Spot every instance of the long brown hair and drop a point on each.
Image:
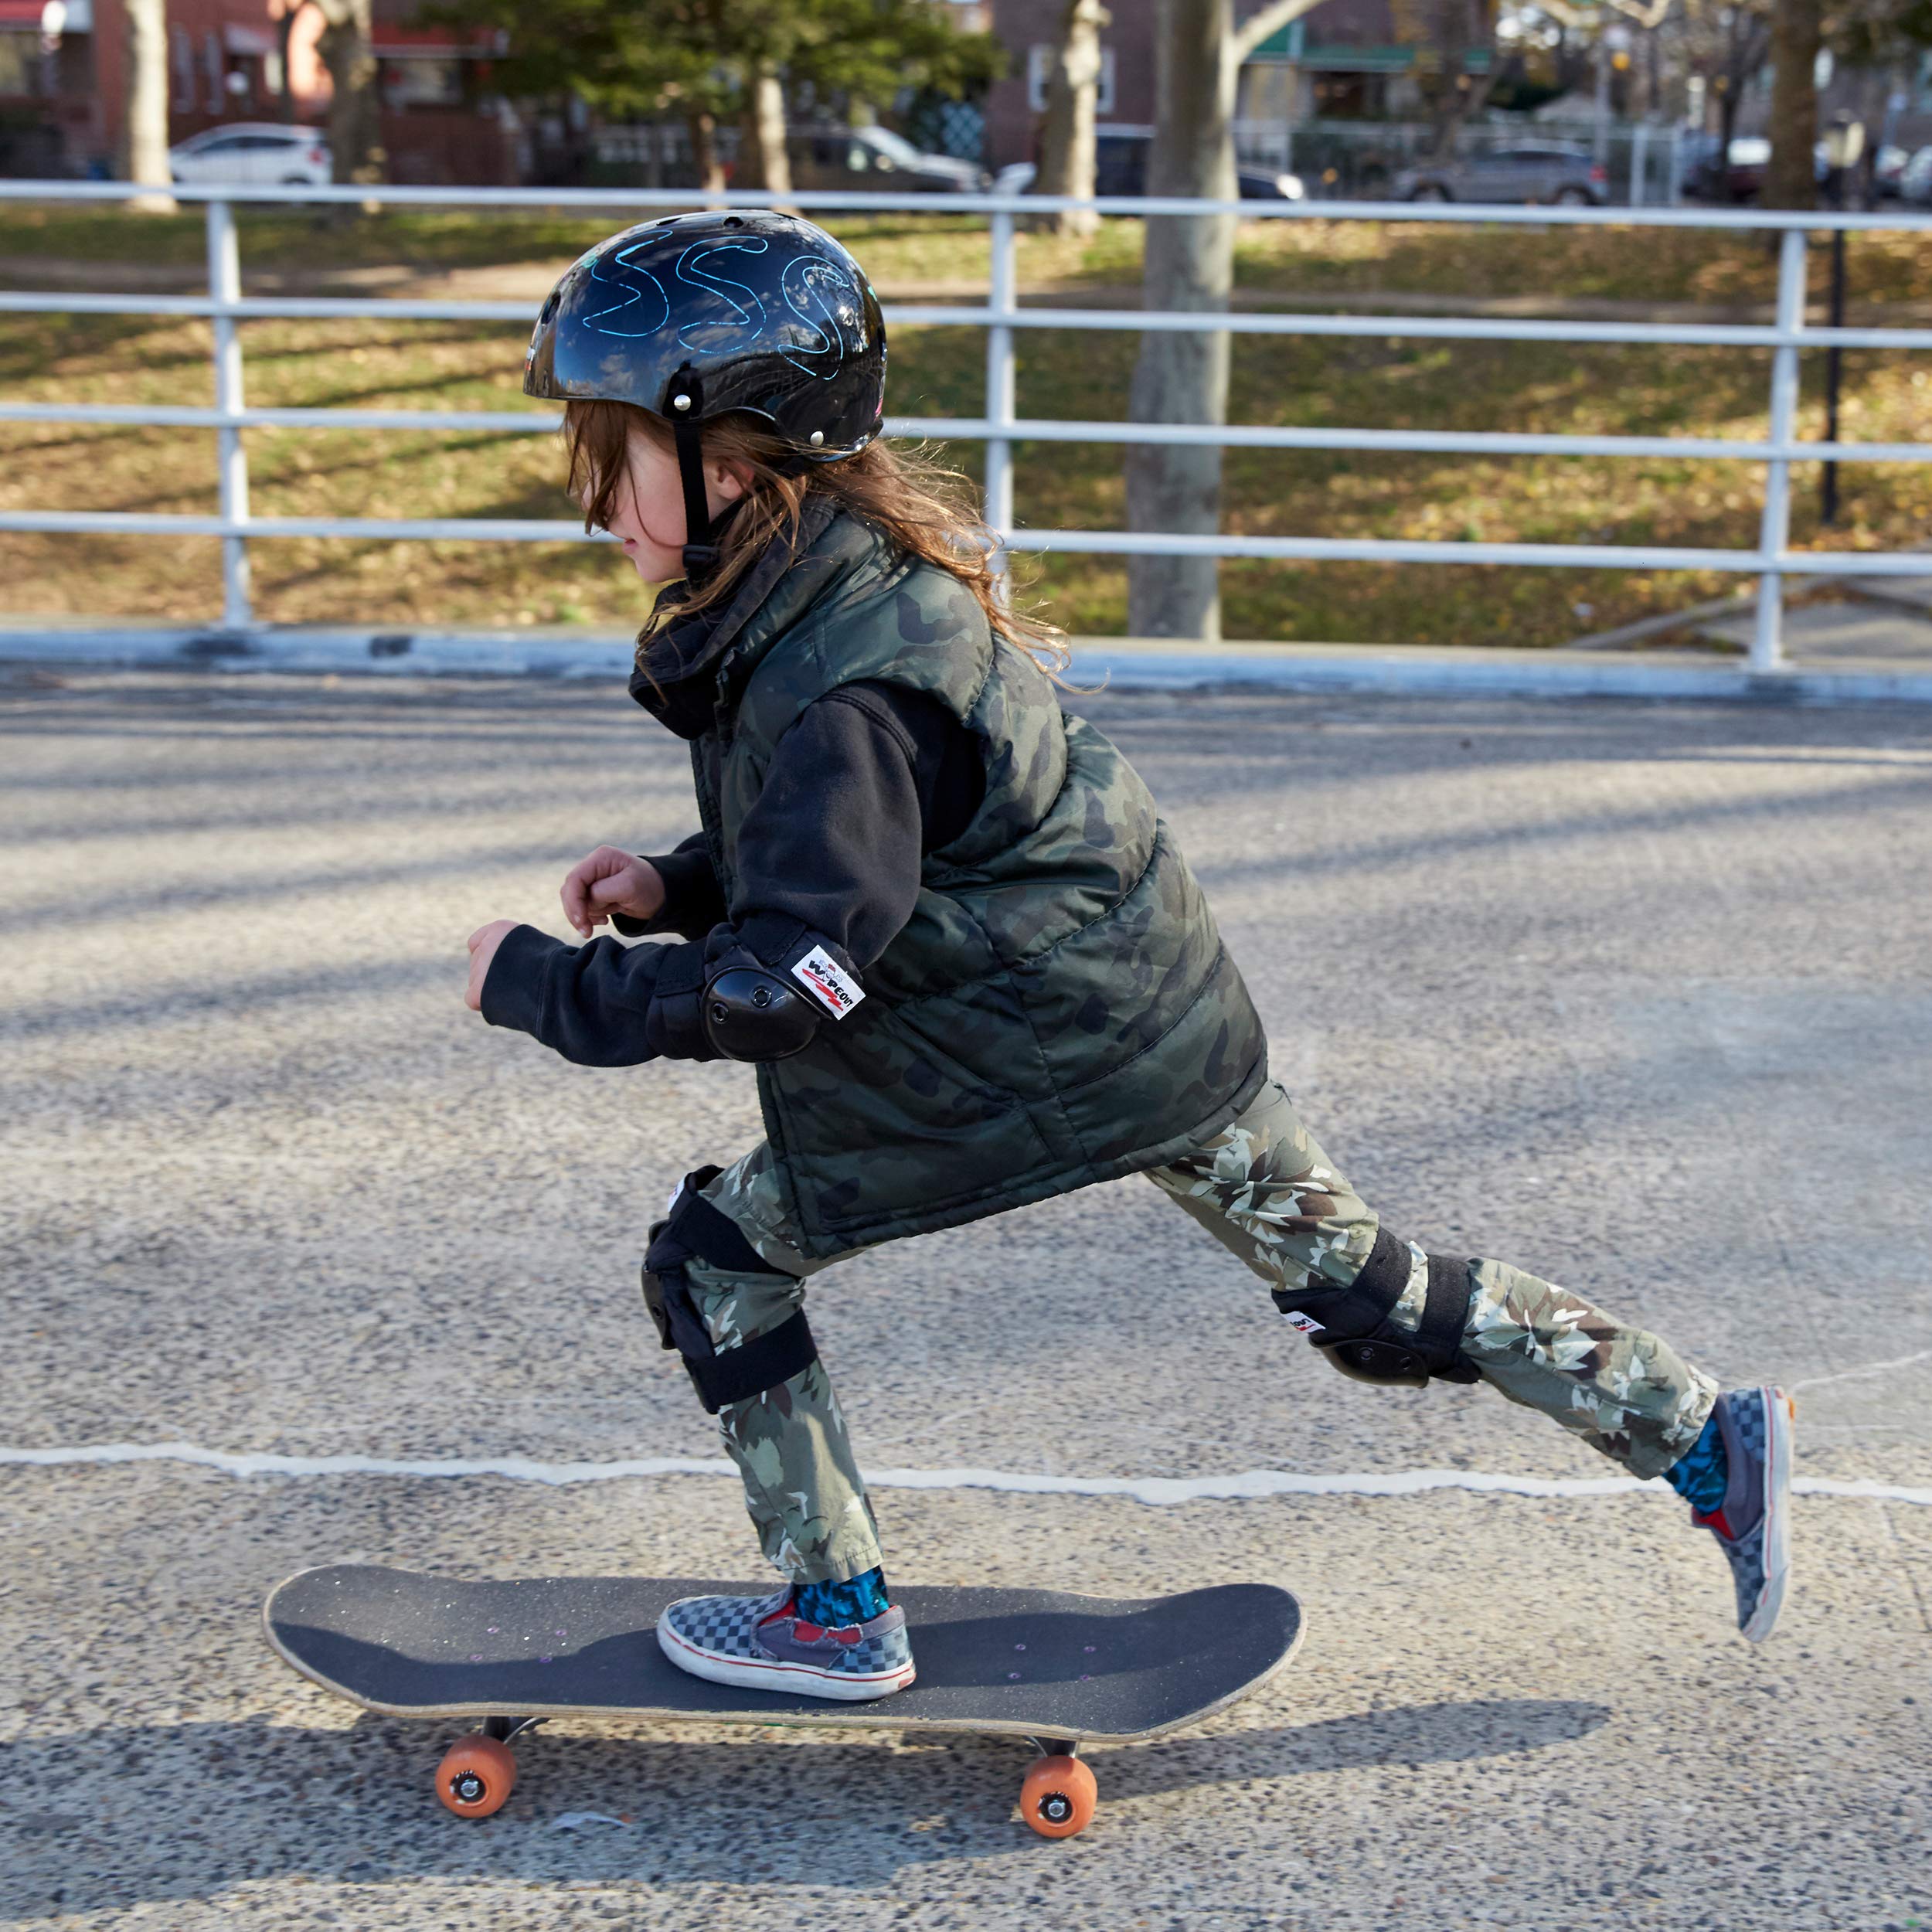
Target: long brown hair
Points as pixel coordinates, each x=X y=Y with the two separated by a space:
x=924 y=510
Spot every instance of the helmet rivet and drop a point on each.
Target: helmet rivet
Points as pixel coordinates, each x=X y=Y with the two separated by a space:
x=681 y=402
x=816 y=437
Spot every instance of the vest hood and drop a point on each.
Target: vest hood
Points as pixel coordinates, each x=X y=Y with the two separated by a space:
x=677 y=657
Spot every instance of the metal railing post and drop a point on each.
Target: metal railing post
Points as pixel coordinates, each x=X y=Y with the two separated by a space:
x=999 y=388
x=1774 y=529
x=224 y=288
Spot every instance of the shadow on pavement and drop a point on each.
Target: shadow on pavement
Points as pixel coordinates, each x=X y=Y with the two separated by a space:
x=113 y=1817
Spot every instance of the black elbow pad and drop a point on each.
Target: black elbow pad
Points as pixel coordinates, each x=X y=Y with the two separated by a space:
x=751 y=1014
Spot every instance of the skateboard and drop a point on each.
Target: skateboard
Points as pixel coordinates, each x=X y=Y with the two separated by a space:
x=1055 y=1670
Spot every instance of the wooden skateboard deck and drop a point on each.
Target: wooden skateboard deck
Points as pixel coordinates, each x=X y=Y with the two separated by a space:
x=1041 y=1665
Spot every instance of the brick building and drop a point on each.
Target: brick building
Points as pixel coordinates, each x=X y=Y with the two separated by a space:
x=63 y=84
x=1340 y=61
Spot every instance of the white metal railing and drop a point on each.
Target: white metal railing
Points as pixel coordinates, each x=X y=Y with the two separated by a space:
x=1771 y=561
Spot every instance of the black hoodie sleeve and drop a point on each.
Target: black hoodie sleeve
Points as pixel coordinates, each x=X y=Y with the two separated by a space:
x=602 y=1005
x=828 y=855
x=693 y=899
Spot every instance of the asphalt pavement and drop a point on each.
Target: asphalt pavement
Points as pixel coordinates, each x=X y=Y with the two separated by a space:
x=1633 y=995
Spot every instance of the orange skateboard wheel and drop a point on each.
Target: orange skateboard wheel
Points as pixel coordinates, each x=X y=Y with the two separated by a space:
x=1058 y=1797
x=477 y=1775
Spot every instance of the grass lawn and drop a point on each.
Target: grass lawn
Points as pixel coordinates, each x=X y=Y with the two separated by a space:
x=1378 y=382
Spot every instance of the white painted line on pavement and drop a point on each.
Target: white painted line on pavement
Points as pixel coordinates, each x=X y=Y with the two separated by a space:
x=1250 y=1484
x=1863 y=1369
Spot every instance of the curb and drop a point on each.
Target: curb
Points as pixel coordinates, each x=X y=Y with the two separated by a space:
x=1119 y=664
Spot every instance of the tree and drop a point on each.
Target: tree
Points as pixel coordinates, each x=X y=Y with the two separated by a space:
x=1444 y=34
x=763 y=162
x=1066 y=160
x=1725 y=42
x=714 y=61
x=1797 y=36
x=355 y=111
x=147 y=133
x=1182 y=376
x=1877 y=33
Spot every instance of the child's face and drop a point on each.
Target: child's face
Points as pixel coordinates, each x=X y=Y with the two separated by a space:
x=647 y=514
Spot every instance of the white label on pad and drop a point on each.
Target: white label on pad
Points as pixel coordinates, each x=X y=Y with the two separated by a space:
x=828 y=982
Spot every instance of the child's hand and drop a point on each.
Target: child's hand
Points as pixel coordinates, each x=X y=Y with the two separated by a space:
x=483 y=944
x=610 y=881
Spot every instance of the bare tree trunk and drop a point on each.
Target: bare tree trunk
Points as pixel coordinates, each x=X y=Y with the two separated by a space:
x=1727 y=127
x=146 y=136
x=1183 y=378
x=284 y=39
x=1796 y=29
x=702 y=124
x=768 y=166
x=1444 y=33
x=1067 y=160
x=355 y=111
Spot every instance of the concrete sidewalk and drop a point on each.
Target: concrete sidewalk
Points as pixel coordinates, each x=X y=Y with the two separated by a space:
x=1888 y=662
x=1874 y=622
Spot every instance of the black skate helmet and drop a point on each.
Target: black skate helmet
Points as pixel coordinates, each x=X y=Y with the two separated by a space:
x=696 y=315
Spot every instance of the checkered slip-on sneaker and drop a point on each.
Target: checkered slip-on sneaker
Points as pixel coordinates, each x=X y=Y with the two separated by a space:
x=762 y=1643
x=1753 y=1525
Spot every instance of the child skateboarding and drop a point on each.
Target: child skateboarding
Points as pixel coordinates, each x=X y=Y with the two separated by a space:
x=942 y=918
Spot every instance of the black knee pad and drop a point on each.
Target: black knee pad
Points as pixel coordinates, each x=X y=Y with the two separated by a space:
x=694 y=1229
x=1351 y=1326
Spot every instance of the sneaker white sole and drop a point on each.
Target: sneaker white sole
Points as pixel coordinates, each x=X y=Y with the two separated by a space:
x=1777 y=1519
x=797 y=1680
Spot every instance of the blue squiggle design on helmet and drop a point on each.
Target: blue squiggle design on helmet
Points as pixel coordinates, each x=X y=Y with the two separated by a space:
x=633 y=293
x=804 y=277
x=750 y=312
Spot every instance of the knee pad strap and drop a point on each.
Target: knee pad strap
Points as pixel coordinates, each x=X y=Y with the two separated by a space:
x=696 y=1229
x=1354 y=1331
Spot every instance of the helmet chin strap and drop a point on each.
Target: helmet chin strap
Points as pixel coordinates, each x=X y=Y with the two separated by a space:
x=682 y=403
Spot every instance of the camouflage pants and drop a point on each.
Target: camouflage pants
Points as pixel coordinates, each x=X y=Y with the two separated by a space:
x=1264 y=1189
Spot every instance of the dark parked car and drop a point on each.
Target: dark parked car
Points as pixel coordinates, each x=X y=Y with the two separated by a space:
x=1120 y=168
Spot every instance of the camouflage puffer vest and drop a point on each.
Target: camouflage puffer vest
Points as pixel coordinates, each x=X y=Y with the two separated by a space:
x=1059 y=1009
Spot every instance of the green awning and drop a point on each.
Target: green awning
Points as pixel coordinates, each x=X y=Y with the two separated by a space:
x=1339 y=57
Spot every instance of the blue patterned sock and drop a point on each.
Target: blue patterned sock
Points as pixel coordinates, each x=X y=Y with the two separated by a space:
x=834 y=1606
x=1702 y=1475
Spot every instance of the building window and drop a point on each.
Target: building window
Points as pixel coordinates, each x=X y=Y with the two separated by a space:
x=423 y=80
x=181 y=50
x=214 y=64
x=19 y=63
x=1039 y=69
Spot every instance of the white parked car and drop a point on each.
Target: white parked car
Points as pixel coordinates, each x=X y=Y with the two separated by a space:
x=263 y=154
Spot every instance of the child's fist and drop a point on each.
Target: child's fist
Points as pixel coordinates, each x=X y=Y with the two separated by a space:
x=483 y=944
x=610 y=881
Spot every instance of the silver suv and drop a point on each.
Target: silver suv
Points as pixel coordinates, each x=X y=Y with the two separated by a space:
x=1529 y=171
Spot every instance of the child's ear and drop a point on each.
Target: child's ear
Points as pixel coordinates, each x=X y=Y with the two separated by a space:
x=729 y=483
